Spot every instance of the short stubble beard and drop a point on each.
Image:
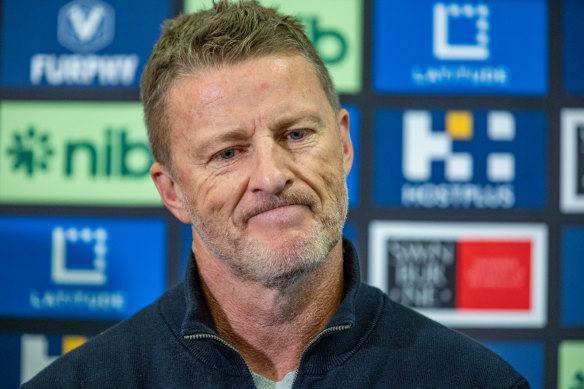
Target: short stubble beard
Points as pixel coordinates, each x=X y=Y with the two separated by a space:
x=283 y=267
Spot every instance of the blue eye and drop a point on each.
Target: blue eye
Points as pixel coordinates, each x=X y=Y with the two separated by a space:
x=227 y=154
x=297 y=135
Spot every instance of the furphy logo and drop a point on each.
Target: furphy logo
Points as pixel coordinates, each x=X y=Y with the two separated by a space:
x=31 y=353
x=334 y=27
x=84 y=26
x=463 y=274
x=461 y=47
x=102 y=159
x=80 y=43
x=459 y=159
x=572 y=160
x=83 y=266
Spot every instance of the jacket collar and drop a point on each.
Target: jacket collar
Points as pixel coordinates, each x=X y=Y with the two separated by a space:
x=198 y=318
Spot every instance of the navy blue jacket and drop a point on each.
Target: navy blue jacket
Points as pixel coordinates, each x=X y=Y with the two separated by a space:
x=371 y=342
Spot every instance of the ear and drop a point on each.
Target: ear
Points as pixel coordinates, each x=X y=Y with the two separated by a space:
x=170 y=191
x=343 y=123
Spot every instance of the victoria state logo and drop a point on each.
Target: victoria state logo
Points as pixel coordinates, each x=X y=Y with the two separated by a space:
x=86 y=25
x=33 y=152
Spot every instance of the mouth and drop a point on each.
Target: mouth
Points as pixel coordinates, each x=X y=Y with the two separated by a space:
x=285 y=216
x=277 y=208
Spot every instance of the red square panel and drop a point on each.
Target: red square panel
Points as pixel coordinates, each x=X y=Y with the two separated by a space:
x=493 y=274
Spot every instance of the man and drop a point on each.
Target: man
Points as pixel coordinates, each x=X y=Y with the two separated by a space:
x=253 y=150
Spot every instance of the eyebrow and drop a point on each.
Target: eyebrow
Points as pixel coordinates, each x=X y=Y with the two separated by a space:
x=295 y=118
x=279 y=124
x=225 y=137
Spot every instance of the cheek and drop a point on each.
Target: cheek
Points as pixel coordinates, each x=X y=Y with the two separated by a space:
x=324 y=170
x=215 y=195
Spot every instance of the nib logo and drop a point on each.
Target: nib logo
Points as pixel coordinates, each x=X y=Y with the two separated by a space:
x=30 y=151
x=115 y=154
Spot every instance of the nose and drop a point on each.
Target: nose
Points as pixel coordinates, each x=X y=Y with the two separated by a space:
x=271 y=168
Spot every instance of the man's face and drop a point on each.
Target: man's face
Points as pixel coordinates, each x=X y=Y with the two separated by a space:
x=260 y=162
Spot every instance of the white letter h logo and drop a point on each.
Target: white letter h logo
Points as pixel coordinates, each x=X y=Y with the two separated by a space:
x=422 y=146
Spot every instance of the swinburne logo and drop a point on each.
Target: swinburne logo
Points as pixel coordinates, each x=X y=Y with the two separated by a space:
x=84 y=27
x=463 y=274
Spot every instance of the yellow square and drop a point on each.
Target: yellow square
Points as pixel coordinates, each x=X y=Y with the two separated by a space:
x=71 y=342
x=459 y=124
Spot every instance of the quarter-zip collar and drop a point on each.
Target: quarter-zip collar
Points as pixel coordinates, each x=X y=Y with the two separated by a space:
x=198 y=317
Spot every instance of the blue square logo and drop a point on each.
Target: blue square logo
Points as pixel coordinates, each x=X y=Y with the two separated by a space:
x=434 y=47
x=526 y=357
x=84 y=268
x=573 y=47
x=572 y=314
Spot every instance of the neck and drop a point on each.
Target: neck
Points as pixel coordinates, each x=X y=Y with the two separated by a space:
x=271 y=327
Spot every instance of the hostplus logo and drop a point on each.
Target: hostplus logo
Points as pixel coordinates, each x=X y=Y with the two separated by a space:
x=84 y=27
x=423 y=148
x=32 y=152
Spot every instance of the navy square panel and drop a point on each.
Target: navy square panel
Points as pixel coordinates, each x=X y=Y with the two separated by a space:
x=353 y=179
x=79 y=43
x=572 y=272
x=492 y=47
x=573 y=45
x=526 y=357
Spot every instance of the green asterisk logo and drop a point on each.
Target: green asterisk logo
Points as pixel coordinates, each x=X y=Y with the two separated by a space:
x=578 y=380
x=30 y=151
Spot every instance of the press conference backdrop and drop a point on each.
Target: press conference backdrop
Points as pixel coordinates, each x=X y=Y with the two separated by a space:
x=466 y=198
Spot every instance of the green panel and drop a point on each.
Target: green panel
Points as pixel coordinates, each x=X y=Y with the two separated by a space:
x=571 y=365
x=335 y=27
x=77 y=153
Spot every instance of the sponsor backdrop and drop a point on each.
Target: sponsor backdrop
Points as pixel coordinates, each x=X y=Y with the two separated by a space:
x=466 y=196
